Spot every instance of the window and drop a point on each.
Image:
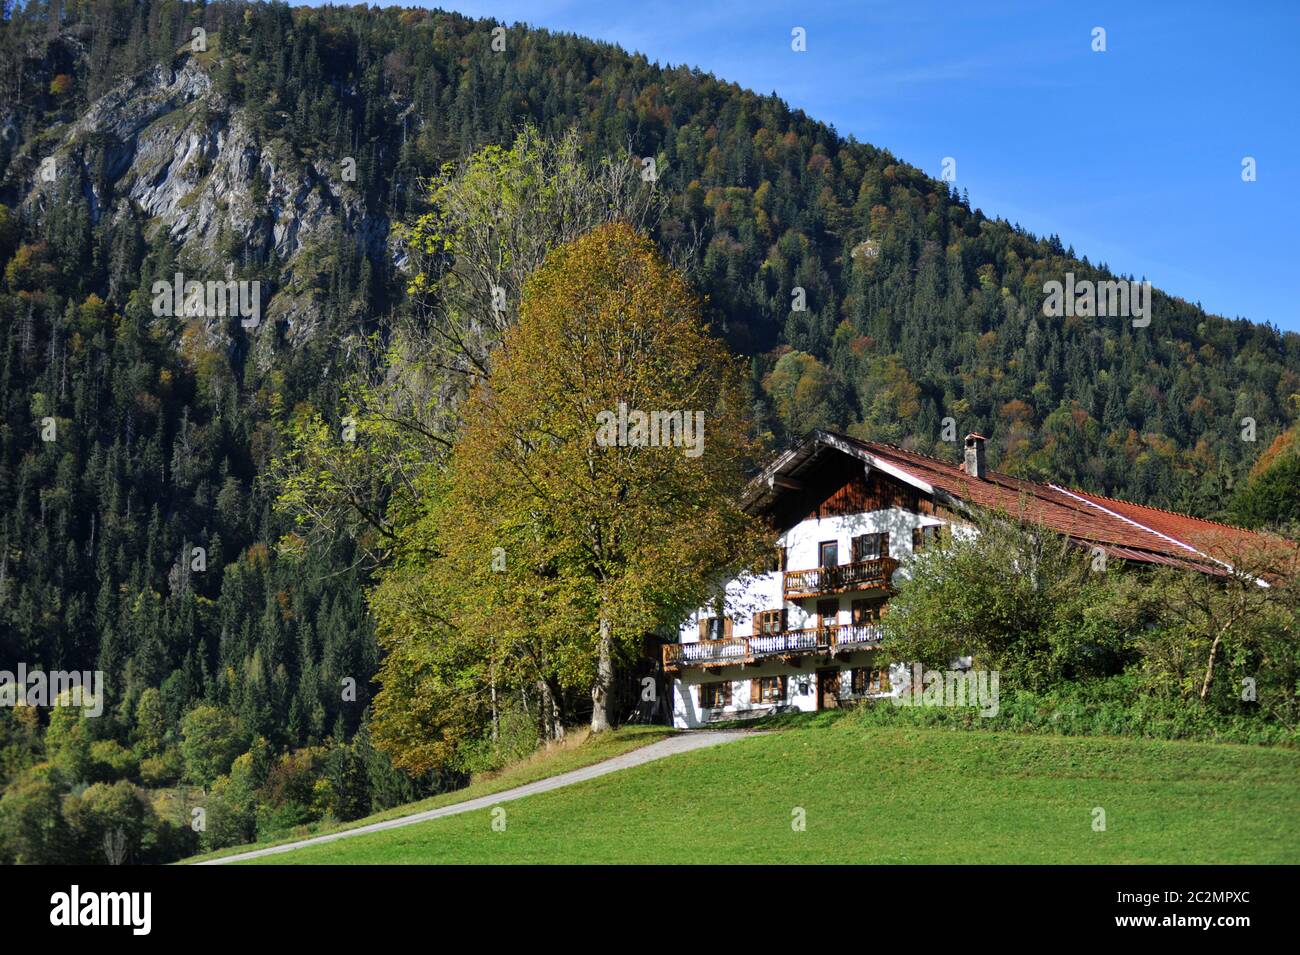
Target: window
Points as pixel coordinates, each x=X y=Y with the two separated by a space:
x=828 y=552
x=866 y=611
x=870 y=546
x=768 y=622
x=715 y=628
x=715 y=695
x=924 y=536
x=828 y=612
x=866 y=680
x=767 y=689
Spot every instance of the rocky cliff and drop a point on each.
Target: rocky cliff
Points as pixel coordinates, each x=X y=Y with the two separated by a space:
x=167 y=148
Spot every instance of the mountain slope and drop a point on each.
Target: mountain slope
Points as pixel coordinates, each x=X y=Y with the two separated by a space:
x=233 y=158
x=917 y=308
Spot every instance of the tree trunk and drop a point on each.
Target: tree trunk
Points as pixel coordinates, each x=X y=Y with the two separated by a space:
x=496 y=716
x=548 y=711
x=602 y=689
x=1209 y=667
x=557 y=715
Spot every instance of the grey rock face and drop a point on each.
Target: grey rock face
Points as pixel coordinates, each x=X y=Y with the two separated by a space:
x=167 y=145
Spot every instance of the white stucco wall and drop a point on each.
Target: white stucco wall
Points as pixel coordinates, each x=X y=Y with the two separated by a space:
x=763 y=592
x=801 y=689
x=746 y=597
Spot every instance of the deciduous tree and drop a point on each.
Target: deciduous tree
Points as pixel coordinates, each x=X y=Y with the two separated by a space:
x=572 y=537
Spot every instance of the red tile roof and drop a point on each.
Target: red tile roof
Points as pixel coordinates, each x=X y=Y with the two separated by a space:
x=1124 y=530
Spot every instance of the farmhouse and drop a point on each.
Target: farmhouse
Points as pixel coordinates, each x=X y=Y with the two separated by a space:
x=805 y=633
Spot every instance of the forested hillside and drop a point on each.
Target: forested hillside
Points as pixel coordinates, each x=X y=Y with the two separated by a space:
x=867 y=296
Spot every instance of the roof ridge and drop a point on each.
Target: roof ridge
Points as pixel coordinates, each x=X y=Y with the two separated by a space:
x=1163 y=510
x=1010 y=481
x=1061 y=484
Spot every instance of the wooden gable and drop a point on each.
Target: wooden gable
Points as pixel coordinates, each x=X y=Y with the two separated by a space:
x=841 y=487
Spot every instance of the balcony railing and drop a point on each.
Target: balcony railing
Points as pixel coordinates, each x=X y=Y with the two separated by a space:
x=735 y=650
x=859 y=575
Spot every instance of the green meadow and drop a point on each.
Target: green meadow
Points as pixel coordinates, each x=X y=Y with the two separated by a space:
x=838 y=791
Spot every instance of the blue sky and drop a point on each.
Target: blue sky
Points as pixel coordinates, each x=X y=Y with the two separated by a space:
x=1132 y=155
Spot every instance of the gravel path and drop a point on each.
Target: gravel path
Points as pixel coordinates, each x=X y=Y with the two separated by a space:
x=683 y=743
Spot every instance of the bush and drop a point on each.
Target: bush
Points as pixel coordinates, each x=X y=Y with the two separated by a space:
x=1045 y=624
x=164 y=770
x=516 y=739
x=1110 y=707
x=110 y=760
x=293 y=778
x=275 y=821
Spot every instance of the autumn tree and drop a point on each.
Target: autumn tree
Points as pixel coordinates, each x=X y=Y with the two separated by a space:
x=491 y=218
x=1271 y=494
x=570 y=537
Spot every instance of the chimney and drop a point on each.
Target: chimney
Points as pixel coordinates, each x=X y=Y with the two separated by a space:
x=975 y=455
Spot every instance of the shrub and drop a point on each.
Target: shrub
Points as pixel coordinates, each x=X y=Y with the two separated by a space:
x=274 y=821
x=164 y=770
x=1107 y=707
x=294 y=779
x=110 y=760
x=516 y=739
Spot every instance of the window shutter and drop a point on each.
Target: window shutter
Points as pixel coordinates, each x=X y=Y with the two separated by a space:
x=884 y=544
x=704 y=628
x=726 y=627
x=726 y=693
x=755 y=690
x=782 y=684
x=916 y=538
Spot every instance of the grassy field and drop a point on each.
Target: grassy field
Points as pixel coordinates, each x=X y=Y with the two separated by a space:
x=578 y=751
x=885 y=794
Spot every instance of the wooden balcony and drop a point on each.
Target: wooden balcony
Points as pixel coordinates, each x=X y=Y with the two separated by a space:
x=736 y=650
x=859 y=575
